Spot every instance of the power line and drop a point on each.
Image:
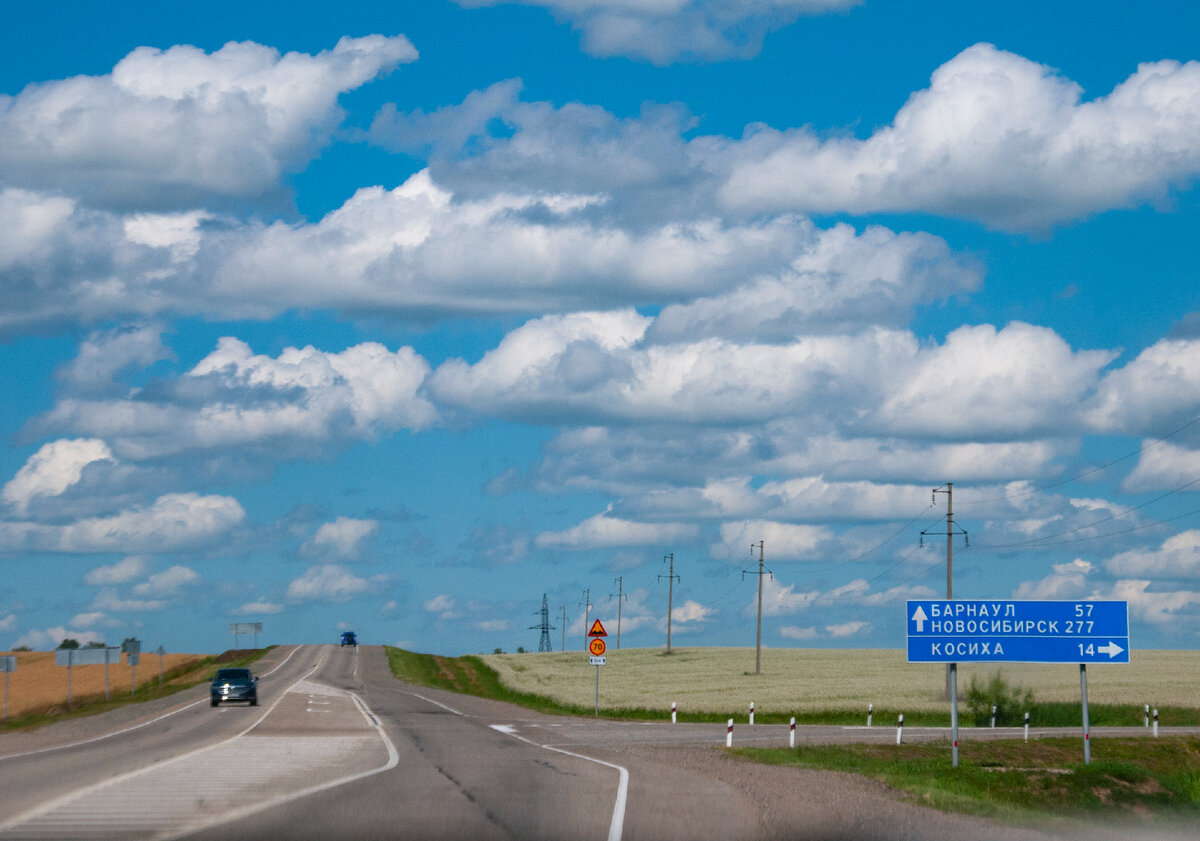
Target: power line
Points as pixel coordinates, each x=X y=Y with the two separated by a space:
x=1047 y=539
x=1086 y=473
x=1106 y=535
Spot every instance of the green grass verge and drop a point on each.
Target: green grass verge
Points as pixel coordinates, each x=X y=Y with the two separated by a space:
x=1024 y=782
x=469 y=676
x=174 y=680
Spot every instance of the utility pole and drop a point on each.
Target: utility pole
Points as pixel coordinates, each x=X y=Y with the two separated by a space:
x=563 y=625
x=671 y=576
x=758 y=637
x=587 y=610
x=951 y=668
x=545 y=627
x=620 y=598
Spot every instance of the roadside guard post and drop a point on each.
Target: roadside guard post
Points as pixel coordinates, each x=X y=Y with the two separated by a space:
x=1004 y=631
x=597 y=647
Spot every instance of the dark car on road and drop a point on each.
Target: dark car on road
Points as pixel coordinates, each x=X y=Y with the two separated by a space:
x=234 y=685
x=349 y=638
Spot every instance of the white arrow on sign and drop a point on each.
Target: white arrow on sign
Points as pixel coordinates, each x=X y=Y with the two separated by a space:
x=919 y=617
x=1112 y=650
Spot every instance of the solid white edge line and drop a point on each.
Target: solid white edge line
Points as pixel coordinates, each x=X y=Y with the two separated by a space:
x=42 y=808
x=617 y=826
x=393 y=761
x=135 y=726
x=436 y=703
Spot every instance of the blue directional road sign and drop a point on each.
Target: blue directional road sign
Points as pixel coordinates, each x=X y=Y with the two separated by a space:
x=965 y=631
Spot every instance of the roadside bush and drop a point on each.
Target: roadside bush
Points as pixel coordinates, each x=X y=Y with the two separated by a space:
x=1011 y=702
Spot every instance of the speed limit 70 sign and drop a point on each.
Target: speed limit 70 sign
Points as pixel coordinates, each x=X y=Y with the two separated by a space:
x=597 y=647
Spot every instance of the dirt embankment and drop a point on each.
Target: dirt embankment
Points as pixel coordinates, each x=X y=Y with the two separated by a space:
x=38 y=684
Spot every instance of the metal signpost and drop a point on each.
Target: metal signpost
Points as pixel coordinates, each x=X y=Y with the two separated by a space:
x=87 y=657
x=597 y=647
x=132 y=649
x=238 y=628
x=1005 y=631
x=8 y=665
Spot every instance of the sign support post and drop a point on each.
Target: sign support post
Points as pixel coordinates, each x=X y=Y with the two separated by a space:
x=597 y=648
x=954 y=713
x=8 y=664
x=1087 y=731
x=1007 y=631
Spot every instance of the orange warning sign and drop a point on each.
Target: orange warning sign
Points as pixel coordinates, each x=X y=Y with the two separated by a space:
x=597 y=630
x=597 y=646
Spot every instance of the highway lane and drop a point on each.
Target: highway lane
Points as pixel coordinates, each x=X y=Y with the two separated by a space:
x=39 y=765
x=327 y=715
x=340 y=749
x=457 y=777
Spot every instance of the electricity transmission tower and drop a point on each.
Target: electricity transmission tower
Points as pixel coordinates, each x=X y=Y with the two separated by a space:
x=761 y=572
x=671 y=578
x=545 y=627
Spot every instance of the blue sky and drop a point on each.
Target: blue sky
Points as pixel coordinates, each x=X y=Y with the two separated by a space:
x=396 y=318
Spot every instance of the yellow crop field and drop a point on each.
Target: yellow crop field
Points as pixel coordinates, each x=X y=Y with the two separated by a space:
x=38 y=684
x=722 y=680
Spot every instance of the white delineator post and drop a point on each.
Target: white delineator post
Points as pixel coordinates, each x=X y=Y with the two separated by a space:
x=1027 y=727
x=900 y=729
x=993 y=716
x=1147 y=715
x=792 y=733
x=729 y=734
x=751 y=713
x=870 y=713
x=1156 y=723
x=672 y=712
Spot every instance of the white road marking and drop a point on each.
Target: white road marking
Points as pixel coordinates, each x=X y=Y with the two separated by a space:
x=435 y=703
x=168 y=714
x=617 y=826
x=209 y=786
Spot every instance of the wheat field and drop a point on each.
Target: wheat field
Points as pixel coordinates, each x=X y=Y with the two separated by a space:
x=722 y=680
x=38 y=683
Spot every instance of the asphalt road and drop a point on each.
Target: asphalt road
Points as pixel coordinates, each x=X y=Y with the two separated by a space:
x=339 y=749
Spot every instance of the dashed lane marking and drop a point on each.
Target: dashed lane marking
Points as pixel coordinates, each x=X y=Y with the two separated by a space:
x=220 y=783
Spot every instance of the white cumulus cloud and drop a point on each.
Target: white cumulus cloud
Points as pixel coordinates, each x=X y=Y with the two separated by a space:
x=995 y=137
x=603 y=531
x=122 y=572
x=170 y=127
x=55 y=467
x=343 y=537
x=234 y=397
x=172 y=522
x=666 y=31
x=330 y=583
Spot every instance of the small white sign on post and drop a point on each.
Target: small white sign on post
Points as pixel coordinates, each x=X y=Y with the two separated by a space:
x=597 y=661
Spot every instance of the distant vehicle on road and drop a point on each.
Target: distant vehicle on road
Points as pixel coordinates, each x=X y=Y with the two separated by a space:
x=234 y=685
x=349 y=638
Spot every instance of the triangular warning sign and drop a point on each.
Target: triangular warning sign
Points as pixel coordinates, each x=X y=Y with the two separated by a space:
x=597 y=630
